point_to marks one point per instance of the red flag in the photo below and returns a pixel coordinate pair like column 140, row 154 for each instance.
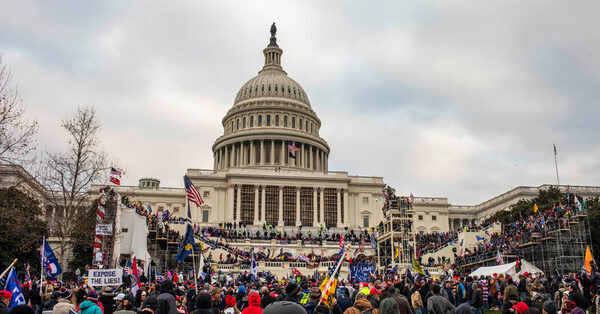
column 135, row 277
column 297, row 272
column 175, row 277
column 115, row 181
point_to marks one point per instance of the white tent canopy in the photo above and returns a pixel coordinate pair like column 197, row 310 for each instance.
column 507, row 269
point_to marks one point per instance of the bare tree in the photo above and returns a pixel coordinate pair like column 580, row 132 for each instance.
column 68, row 175
column 16, row 132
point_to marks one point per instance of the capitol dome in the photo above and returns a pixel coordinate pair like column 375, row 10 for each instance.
column 271, row 123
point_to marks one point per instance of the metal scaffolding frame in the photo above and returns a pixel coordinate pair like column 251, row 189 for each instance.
column 395, row 232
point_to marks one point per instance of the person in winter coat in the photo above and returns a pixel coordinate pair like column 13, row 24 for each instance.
column 49, row 305
column 108, row 301
column 361, row 304
column 166, row 298
column 416, row 301
column 265, row 297
column 64, row 303
column 476, row 298
column 216, row 300
column 388, row 306
column 577, row 297
column 313, row 300
column 403, row 304
column 253, row 305
column 447, row 292
column 203, row 303
column 342, row 299
column 89, row 306
column 436, row 304
column 510, row 289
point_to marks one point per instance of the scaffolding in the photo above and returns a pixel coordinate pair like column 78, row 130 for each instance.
column 163, row 244
column 395, row 236
column 558, row 248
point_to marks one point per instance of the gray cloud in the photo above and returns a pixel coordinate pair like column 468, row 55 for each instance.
column 462, row 101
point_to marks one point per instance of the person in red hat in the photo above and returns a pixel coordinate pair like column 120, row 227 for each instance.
column 253, row 305
column 521, row 308
column 230, row 305
column 5, row 297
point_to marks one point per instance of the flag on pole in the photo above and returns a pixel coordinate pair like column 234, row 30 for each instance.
column 192, row 193
column 499, row 259
column 135, row 281
column 416, row 266
column 554, row 149
column 567, row 191
column 412, row 198
column 12, row 285
column 49, row 261
column 396, row 253
column 186, row 246
column 292, row 147
column 576, row 201
column 28, row 276
column 115, row 181
column 588, row 260
column 115, row 172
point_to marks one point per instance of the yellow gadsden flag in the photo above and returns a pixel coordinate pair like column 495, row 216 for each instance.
column 535, row 209
column 588, row 260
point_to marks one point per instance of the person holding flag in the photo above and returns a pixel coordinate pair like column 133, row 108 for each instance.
column 49, row 261
column 12, row 290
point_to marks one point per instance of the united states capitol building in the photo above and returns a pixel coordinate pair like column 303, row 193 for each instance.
column 260, row 179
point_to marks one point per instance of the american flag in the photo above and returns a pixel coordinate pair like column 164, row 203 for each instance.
column 115, row 172
column 303, row 258
column 192, row 194
column 412, row 198
column 499, row 258
column 115, row 181
column 27, row 275
column 292, row 147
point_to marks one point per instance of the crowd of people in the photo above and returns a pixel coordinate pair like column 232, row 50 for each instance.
column 525, row 294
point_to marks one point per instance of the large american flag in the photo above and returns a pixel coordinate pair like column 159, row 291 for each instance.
column 292, row 147
column 192, row 194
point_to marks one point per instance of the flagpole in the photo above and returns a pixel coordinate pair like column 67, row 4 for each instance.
column 337, row 268
column 42, row 268
column 556, row 165
column 8, row 268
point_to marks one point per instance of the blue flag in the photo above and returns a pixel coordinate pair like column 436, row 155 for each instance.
column 50, row 261
column 12, row 285
column 479, row 238
column 186, row 246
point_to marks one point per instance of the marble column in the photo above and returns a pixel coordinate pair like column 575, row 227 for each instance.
column 303, row 159
column 232, row 162
column 263, row 217
column 282, row 154
column 298, row 221
column 272, row 157
column 262, row 152
column 242, row 154
column 315, row 208
column 280, row 221
column 311, row 161
column 226, row 164
column 345, row 208
column 239, row 204
column 252, row 153
column 339, row 208
column 256, row 205
column 230, row 197
column 322, row 208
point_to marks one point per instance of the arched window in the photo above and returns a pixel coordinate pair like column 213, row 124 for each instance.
column 244, row 122
column 285, row 121
column 300, row 123
column 251, row 121
column 306, row 125
column 269, row 120
column 276, row 88
column 262, row 88
column 260, row 120
column 269, row 87
column 277, row 120
column 293, row 122
column 237, row 124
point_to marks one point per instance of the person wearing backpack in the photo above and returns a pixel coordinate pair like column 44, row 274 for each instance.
column 436, row 304
column 361, row 306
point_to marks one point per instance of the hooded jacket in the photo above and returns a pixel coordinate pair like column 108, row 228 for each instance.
column 62, row 307
column 359, row 306
column 89, row 307
column 253, row 305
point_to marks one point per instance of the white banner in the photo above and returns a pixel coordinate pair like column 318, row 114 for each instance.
column 104, row 229
column 105, row 277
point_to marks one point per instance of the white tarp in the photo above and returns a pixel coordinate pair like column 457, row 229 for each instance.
column 132, row 235
column 506, row 269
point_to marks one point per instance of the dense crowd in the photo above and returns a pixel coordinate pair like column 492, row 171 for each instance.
column 527, row 294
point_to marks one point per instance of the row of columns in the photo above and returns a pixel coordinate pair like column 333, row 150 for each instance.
column 244, row 154
column 318, row 207
column 458, row 223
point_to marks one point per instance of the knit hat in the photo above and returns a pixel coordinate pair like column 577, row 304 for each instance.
column 119, row 297
column 569, row 306
column 242, row 289
column 229, row 300
column 292, row 289
column 315, row 293
column 577, row 310
column 55, row 295
column 65, row 293
column 6, row 294
column 92, row 295
column 521, row 307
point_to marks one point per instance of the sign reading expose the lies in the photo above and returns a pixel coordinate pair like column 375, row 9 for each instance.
column 105, row 277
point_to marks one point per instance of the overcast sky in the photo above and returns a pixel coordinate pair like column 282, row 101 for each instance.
column 451, row 99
